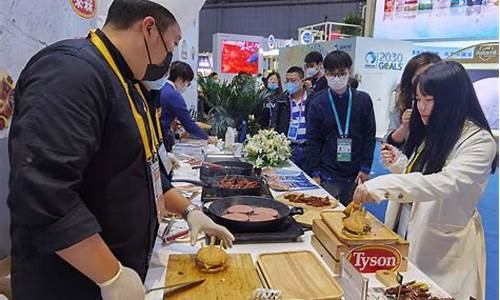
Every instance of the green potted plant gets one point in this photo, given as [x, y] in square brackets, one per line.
[354, 19]
[230, 104]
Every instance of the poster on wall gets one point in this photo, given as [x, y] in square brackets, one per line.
[240, 56]
[436, 19]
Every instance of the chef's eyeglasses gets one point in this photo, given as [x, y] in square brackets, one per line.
[336, 74]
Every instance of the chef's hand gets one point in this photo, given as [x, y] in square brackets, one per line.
[389, 154]
[126, 285]
[317, 179]
[362, 177]
[173, 159]
[361, 195]
[198, 221]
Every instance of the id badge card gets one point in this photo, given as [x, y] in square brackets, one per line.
[162, 153]
[293, 131]
[344, 147]
[154, 165]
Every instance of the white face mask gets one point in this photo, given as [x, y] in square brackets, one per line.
[311, 72]
[337, 83]
[155, 85]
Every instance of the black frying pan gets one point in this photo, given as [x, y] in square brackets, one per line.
[226, 167]
[226, 192]
[219, 207]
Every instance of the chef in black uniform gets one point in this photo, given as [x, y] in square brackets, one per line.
[87, 174]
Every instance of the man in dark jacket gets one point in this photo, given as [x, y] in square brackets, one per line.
[87, 178]
[340, 131]
[289, 116]
[315, 80]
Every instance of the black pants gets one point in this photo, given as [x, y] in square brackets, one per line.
[342, 190]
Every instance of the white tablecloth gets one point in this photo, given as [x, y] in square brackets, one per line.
[157, 271]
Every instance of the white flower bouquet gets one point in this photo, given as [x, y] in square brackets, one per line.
[267, 149]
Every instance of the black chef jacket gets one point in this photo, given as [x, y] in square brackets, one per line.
[77, 168]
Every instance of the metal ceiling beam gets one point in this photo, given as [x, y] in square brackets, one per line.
[262, 3]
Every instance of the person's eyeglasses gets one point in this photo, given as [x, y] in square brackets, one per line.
[336, 74]
[188, 84]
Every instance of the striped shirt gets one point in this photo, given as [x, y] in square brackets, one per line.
[298, 115]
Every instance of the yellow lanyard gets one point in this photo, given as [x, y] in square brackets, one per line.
[148, 150]
[411, 164]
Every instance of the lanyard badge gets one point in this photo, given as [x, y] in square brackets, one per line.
[150, 147]
[293, 129]
[344, 144]
[154, 166]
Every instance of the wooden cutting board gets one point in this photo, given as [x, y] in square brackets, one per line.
[238, 281]
[379, 234]
[298, 275]
[310, 212]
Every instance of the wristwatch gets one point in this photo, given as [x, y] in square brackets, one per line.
[191, 207]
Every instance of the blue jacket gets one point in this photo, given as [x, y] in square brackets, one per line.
[322, 135]
[173, 106]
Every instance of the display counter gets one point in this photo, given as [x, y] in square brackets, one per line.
[157, 270]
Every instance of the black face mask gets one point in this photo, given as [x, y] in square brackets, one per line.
[155, 72]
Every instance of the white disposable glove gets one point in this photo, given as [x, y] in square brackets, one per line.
[198, 221]
[173, 159]
[126, 285]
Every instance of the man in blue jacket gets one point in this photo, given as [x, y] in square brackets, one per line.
[172, 103]
[340, 131]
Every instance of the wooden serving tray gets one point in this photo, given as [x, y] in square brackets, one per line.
[310, 212]
[238, 281]
[379, 234]
[298, 275]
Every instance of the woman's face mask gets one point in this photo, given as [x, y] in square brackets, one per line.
[272, 86]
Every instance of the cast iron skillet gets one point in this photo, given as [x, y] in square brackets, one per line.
[226, 167]
[226, 192]
[219, 207]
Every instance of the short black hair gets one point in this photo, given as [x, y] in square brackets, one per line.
[124, 13]
[297, 70]
[180, 69]
[337, 60]
[313, 57]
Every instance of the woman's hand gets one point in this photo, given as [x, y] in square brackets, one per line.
[389, 154]
[405, 118]
[361, 195]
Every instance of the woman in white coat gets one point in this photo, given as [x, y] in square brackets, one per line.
[447, 162]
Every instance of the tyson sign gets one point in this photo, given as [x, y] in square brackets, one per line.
[372, 258]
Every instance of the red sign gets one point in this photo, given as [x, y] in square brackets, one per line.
[335, 36]
[372, 258]
[84, 8]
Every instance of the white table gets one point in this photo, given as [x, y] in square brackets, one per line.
[157, 270]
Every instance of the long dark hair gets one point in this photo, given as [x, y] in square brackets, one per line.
[405, 88]
[455, 101]
[280, 85]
